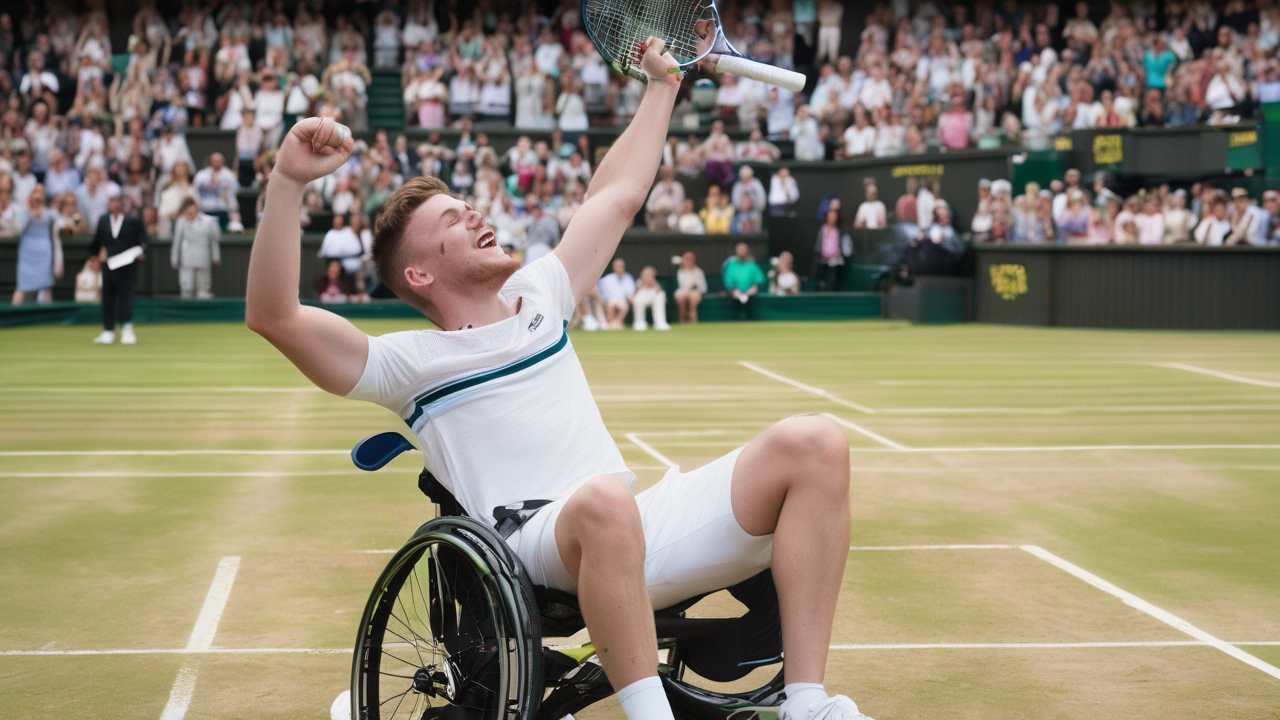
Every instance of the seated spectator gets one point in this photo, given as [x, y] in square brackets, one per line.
[757, 149]
[747, 219]
[335, 286]
[1250, 223]
[1178, 221]
[829, 251]
[783, 193]
[689, 222]
[691, 285]
[748, 185]
[717, 216]
[341, 243]
[955, 124]
[860, 137]
[1075, 219]
[904, 211]
[782, 278]
[589, 313]
[1150, 221]
[649, 295]
[1214, 228]
[543, 232]
[716, 153]
[94, 194]
[60, 177]
[872, 213]
[616, 290]
[1102, 223]
[1126, 223]
[89, 281]
[742, 279]
[665, 200]
[937, 250]
[216, 187]
[195, 251]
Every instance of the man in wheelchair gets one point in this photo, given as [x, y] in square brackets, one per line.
[501, 407]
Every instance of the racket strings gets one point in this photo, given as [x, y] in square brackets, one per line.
[619, 27]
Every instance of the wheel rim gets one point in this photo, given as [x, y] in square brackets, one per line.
[438, 641]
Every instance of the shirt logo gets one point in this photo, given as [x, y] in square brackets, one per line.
[537, 320]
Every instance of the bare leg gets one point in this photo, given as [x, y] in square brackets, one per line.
[601, 541]
[793, 481]
[694, 299]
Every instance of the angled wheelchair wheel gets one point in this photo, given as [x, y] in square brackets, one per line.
[447, 634]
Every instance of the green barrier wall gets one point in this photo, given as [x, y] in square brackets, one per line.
[1129, 286]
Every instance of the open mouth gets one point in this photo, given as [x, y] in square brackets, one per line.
[487, 240]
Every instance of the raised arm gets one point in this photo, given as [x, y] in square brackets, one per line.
[621, 183]
[330, 351]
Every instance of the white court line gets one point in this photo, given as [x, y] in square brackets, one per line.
[846, 646]
[1221, 375]
[807, 388]
[931, 547]
[215, 601]
[1163, 616]
[1082, 448]
[635, 439]
[65, 453]
[182, 474]
[859, 429]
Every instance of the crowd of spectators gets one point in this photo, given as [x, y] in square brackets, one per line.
[1067, 212]
[87, 120]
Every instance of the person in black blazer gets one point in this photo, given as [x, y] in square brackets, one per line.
[116, 233]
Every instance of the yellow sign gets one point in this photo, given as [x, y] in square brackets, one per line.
[1009, 281]
[917, 170]
[1107, 149]
[1240, 139]
[1062, 143]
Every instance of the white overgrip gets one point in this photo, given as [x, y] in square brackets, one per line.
[765, 73]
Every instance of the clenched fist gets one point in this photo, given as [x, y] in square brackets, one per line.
[314, 148]
[658, 64]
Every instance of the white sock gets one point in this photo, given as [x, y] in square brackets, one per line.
[800, 697]
[645, 700]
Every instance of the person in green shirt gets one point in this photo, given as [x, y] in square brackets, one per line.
[1158, 59]
[742, 278]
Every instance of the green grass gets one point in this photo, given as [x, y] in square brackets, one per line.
[117, 552]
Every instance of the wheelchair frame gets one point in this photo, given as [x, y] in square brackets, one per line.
[717, 649]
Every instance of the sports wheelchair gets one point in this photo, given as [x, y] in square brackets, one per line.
[454, 631]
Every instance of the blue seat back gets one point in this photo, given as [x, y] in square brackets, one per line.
[375, 451]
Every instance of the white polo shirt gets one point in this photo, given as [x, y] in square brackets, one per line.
[503, 412]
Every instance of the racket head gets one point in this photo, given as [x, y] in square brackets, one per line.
[690, 28]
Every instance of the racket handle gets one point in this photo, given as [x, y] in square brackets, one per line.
[765, 73]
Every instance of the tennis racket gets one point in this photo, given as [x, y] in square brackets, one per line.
[690, 28]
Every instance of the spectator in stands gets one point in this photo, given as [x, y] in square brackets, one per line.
[616, 290]
[782, 278]
[95, 194]
[747, 220]
[341, 243]
[748, 186]
[195, 251]
[1075, 219]
[859, 138]
[717, 216]
[1249, 222]
[742, 279]
[40, 260]
[1178, 221]
[543, 232]
[904, 211]
[806, 136]
[757, 149]
[691, 285]
[1150, 221]
[216, 187]
[24, 180]
[955, 125]
[784, 192]
[830, 20]
[1214, 228]
[665, 200]
[249, 141]
[60, 177]
[650, 296]
[335, 286]
[717, 155]
[937, 250]
[872, 213]
[689, 221]
[1126, 222]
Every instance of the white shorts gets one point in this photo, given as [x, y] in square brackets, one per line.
[693, 544]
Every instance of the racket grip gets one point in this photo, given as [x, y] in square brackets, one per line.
[765, 73]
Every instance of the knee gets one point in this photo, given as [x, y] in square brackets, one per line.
[818, 448]
[603, 512]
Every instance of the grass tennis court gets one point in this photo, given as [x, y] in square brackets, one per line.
[1048, 523]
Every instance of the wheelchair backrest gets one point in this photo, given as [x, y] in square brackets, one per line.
[375, 451]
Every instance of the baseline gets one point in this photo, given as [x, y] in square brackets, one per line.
[1220, 375]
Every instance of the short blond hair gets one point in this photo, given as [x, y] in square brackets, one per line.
[389, 229]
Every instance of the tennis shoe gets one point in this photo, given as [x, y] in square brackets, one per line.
[127, 337]
[106, 337]
[839, 707]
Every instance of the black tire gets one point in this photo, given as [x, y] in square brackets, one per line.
[447, 633]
